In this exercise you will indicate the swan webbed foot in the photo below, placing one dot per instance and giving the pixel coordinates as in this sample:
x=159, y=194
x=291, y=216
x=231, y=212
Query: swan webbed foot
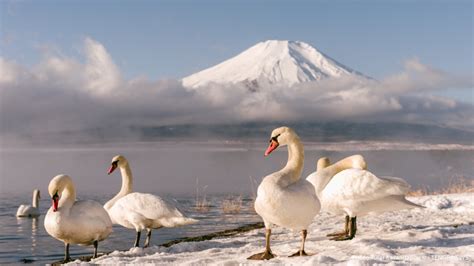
x=266, y=255
x=342, y=233
x=337, y=234
x=350, y=233
x=299, y=253
x=342, y=238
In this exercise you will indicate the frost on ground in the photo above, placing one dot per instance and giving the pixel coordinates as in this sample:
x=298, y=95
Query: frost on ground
x=442, y=232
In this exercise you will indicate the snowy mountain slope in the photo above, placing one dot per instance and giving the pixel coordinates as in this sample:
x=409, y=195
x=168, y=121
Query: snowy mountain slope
x=272, y=62
x=440, y=233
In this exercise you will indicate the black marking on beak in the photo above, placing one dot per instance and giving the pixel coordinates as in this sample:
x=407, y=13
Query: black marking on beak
x=274, y=138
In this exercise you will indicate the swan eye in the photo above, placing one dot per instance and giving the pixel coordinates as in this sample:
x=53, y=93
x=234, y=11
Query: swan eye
x=115, y=163
x=275, y=138
x=55, y=196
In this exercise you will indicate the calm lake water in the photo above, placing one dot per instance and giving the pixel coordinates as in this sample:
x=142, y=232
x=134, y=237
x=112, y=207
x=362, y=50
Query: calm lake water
x=177, y=170
x=25, y=239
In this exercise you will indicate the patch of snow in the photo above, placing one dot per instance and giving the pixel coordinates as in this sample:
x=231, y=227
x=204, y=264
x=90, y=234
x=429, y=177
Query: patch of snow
x=438, y=203
x=440, y=233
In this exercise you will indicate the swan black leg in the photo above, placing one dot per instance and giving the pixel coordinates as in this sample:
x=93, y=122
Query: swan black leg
x=96, y=244
x=67, y=258
x=301, y=252
x=137, y=240
x=267, y=254
x=352, y=231
x=148, y=237
x=342, y=233
x=354, y=227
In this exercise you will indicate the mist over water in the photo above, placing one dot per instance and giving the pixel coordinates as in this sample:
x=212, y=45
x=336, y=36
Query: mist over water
x=172, y=168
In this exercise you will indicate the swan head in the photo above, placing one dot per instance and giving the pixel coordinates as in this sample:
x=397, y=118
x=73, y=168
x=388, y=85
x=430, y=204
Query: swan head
x=56, y=187
x=322, y=163
x=280, y=137
x=117, y=161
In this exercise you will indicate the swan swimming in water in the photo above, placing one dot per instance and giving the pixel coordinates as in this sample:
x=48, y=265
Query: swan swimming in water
x=30, y=210
x=141, y=211
x=283, y=198
x=83, y=222
x=346, y=187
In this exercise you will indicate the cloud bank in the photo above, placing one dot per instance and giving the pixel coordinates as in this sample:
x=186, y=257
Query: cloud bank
x=61, y=94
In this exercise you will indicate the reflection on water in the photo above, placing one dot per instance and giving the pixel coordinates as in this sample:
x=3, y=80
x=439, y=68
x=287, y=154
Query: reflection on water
x=34, y=231
x=27, y=230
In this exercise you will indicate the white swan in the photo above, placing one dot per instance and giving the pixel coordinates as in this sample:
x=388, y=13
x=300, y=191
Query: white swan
x=356, y=192
x=141, y=211
x=83, y=222
x=30, y=210
x=283, y=198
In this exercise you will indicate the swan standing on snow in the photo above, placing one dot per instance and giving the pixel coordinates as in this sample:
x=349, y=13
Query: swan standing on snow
x=83, y=222
x=140, y=211
x=283, y=198
x=30, y=211
x=356, y=192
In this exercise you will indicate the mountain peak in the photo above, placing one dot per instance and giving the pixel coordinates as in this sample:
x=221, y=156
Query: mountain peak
x=271, y=62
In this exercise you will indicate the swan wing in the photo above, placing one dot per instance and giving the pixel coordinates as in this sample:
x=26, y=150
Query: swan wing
x=91, y=213
x=83, y=223
x=362, y=185
x=27, y=211
x=22, y=210
x=143, y=208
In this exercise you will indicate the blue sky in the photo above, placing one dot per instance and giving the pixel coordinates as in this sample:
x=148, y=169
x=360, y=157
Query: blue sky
x=171, y=39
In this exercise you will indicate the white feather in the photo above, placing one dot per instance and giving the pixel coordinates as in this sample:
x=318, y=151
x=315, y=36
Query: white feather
x=141, y=211
x=283, y=198
x=358, y=192
x=76, y=222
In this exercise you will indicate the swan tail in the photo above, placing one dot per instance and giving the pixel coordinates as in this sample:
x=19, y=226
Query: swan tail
x=400, y=203
x=389, y=203
x=410, y=204
x=178, y=221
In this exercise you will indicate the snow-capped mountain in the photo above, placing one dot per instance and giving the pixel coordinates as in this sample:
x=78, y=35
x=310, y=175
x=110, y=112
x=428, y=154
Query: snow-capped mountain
x=273, y=62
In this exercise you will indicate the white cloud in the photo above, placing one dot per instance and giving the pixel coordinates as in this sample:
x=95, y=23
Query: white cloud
x=64, y=94
x=101, y=74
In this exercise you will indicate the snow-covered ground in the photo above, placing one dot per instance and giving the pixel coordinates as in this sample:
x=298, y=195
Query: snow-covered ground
x=442, y=232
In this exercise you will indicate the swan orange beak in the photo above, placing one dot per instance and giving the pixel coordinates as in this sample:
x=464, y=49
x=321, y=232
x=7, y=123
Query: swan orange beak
x=55, y=202
x=112, y=168
x=273, y=145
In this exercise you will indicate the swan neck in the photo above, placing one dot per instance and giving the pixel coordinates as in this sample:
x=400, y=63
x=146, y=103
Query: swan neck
x=294, y=165
x=35, y=201
x=326, y=174
x=127, y=180
x=127, y=186
x=68, y=196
